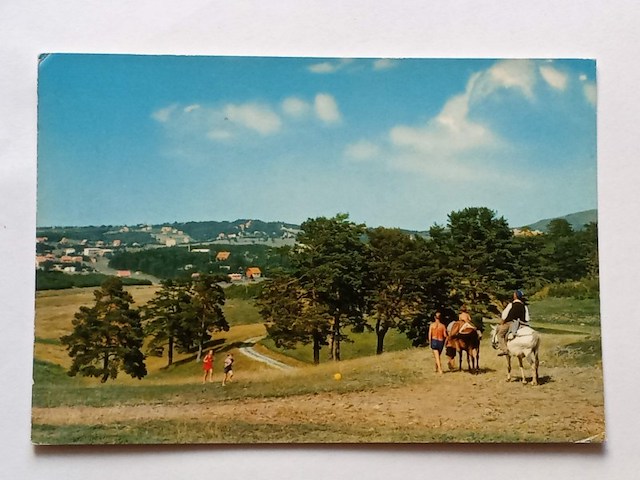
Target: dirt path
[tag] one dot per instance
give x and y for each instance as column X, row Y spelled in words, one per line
column 565, row 407
column 250, row 352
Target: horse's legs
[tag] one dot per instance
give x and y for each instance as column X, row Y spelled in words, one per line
column 459, row 360
column 524, row 380
column 451, row 362
column 534, row 368
column 508, row 368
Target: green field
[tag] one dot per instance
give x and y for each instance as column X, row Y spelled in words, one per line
column 393, row 397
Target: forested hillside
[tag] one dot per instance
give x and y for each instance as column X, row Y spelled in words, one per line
column 577, row 220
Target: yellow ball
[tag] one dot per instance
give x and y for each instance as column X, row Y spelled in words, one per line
column 337, row 376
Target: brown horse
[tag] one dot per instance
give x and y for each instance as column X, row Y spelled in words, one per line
column 464, row 338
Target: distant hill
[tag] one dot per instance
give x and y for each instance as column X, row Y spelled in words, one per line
column 207, row 231
column 210, row 230
column 577, row 220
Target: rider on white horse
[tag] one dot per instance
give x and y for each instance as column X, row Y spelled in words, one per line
column 515, row 311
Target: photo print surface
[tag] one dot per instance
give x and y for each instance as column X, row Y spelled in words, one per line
column 235, row 250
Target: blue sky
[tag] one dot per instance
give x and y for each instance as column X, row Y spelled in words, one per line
column 400, row 143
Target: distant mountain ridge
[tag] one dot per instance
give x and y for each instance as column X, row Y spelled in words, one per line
column 210, row 230
column 577, row 220
column 205, row 231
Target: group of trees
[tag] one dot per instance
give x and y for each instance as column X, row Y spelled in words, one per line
column 340, row 278
column 110, row 335
column 344, row 276
column 170, row 262
column 47, row 280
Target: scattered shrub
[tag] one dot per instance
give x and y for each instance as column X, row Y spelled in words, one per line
column 60, row 280
column 581, row 289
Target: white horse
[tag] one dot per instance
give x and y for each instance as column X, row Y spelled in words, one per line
column 525, row 344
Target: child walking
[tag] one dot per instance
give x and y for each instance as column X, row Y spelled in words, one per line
column 228, row 369
column 437, row 336
column 207, row 366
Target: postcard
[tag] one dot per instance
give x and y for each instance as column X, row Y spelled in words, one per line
column 251, row 250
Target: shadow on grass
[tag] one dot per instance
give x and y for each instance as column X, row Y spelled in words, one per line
column 558, row 331
column 543, row 380
column 480, row 371
column 207, row 345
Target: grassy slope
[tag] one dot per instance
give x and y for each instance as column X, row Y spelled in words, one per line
column 569, row 340
column 561, row 320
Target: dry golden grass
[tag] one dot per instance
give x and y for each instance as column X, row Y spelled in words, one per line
column 393, row 397
column 54, row 315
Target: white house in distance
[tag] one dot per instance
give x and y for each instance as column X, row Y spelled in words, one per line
column 96, row 252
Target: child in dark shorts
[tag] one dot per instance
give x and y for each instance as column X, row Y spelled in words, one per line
column 437, row 345
column 228, row 369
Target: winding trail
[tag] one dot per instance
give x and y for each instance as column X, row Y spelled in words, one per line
column 250, row 352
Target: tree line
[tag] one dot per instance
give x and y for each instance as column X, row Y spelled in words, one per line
column 170, row 262
column 109, row 336
column 346, row 278
column 341, row 278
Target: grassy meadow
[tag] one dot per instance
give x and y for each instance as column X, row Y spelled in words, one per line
column 394, row 397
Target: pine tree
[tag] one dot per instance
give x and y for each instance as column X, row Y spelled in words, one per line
column 332, row 263
column 107, row 337
column 393, row 299
column 293, row 315
column 165, row 319
column 203, row 315
column 482, row 257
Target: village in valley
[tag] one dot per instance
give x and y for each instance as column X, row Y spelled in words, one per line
column 73, row 255
column 76, row 255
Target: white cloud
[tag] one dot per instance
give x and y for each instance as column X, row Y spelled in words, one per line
column 589, row 90
column 191, row 108
column 253, row 116
column 519, row 75
column 192, row 123
column 324, row 67
column 362, row 150
column 295, row 107
column 446, row 136
column 164, row 114
column 384, row 64
column 326, row 108
column 329, row 66
column 553, row 77
column 460, row 140
column 450, row 143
